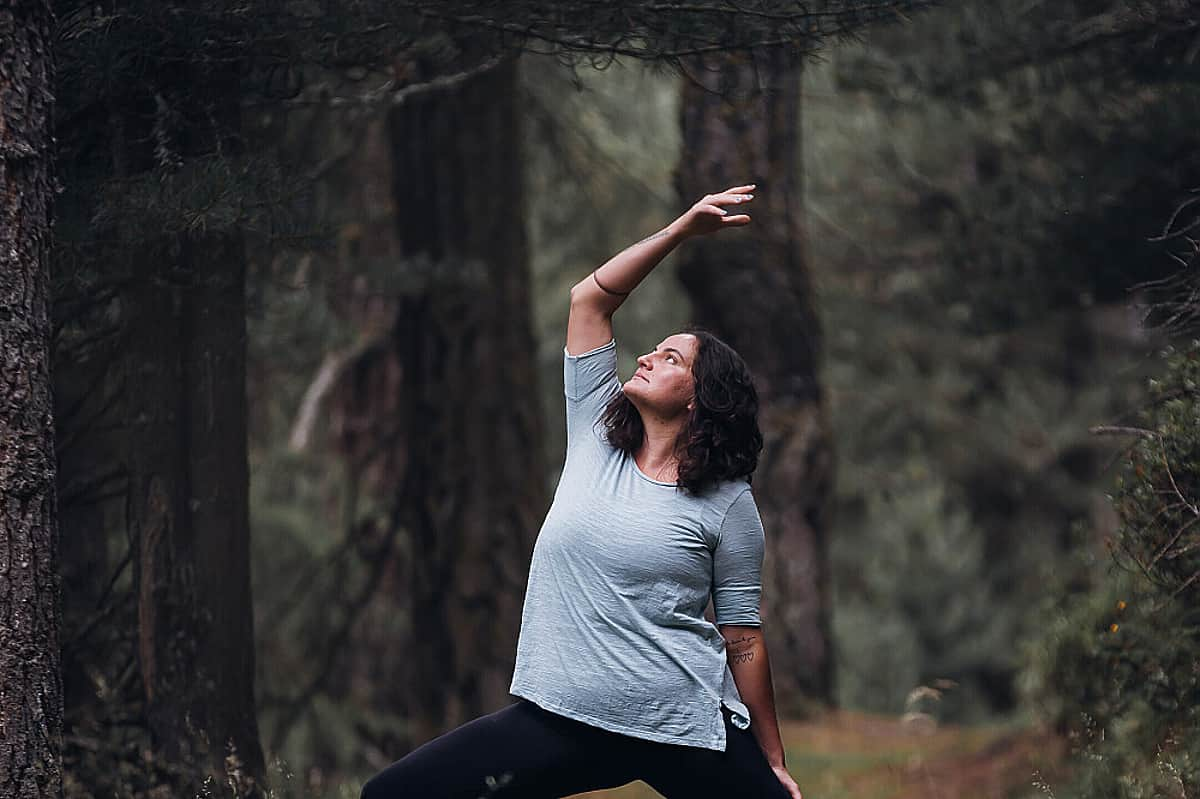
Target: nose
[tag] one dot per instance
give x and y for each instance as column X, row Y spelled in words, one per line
column 644, row 362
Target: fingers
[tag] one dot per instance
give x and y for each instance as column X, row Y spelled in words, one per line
column 717, row 210
column 726, row 218
column 728, row 196
column 732, row 191
column 733, row 199
column 711, row 206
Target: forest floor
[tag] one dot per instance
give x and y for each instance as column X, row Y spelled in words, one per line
column 847, row 754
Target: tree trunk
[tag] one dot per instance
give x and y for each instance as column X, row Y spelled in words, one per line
column 189, row 505
column 165, row 431
column 31, row 707
column 472, row 495
column 752, row 288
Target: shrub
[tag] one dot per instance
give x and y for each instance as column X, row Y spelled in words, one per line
column 1117, row 668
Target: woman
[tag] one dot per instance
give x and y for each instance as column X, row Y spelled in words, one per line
column 619, row 676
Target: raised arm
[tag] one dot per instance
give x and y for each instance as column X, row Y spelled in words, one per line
column 595, row 298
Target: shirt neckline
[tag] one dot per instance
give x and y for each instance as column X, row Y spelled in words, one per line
column 645, row 476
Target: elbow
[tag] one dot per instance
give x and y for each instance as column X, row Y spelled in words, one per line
column 584, row 291
column 576, row 292
column 588, row 298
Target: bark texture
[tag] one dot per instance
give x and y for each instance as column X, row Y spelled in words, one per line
column 740, row 124
column 31, row 706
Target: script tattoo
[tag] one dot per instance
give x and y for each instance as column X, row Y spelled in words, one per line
column 651, row 237
column 741, row 650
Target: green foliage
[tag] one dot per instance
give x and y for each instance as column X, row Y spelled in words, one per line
column 920, row 579
column 976, row 330
column 961, row 460
column 1043, row 168
column 1157, row 498
column 203, row 195
column 1117, row 664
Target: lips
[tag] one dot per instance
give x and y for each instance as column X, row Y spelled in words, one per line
column 642, row 376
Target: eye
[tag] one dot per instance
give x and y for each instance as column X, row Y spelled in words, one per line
column 671, row 358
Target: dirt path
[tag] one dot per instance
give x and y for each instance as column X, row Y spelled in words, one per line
column 846, row 755
column 917, row 762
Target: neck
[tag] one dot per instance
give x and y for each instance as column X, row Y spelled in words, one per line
column 657, row 453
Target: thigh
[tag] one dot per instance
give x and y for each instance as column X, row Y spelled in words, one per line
column 689, row 772
column 518, row 752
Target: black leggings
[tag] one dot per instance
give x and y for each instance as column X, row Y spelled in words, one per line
column 547, row 756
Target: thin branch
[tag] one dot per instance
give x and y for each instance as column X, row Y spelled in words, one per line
column 1185, row 584
column 388, row 95
column 332, row 368
column 1171, row 543
column 1167, row 234
column 818, row 26
column 1166, row 464
column 1118, row 430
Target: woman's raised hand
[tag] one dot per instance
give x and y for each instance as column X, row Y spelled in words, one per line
column 716, row 211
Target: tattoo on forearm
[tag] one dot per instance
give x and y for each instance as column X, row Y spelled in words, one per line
column 741, row 650
column 652, row 236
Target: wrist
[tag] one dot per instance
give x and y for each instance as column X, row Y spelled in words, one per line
column 676, row 232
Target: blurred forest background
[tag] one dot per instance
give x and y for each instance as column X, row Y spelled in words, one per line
column 307, row 317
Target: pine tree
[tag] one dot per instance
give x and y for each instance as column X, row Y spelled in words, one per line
column 31, row 704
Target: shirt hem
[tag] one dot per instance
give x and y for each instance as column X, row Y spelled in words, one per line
column 605, row 724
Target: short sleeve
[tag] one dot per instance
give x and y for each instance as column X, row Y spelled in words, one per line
column 737, row 564
column 589, row 382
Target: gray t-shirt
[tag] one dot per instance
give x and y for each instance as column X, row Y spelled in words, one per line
column 613, row 632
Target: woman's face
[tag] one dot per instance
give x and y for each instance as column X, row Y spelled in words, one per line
column 662, row 384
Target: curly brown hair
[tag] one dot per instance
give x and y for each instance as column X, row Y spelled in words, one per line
column 721, row 440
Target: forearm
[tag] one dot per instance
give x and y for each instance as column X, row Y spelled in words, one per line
column 625, row 270
column 746, row 650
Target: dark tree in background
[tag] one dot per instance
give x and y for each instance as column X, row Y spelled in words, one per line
column 31, row 699
column 434, row 408
column 189, row 524
column 459, row 199
column 185, row 351
column 740, row 118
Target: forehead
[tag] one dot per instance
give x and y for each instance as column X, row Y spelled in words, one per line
column 684, row 342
